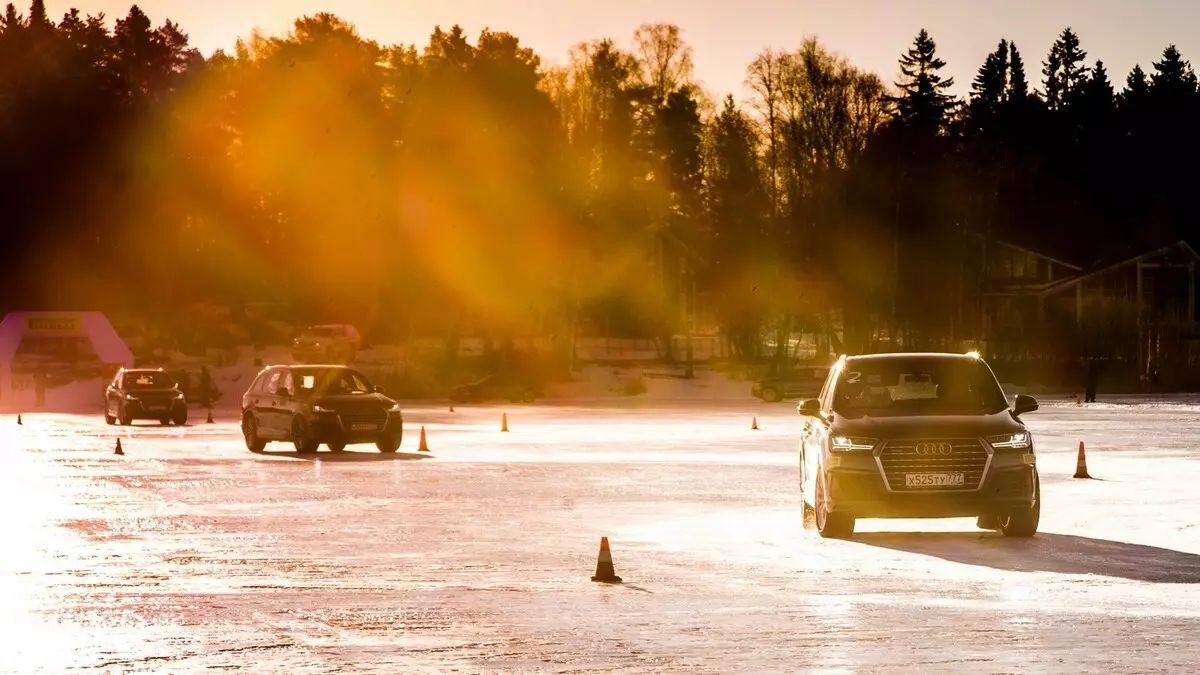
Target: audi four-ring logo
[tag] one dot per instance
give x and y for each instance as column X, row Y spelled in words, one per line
column 933, row 448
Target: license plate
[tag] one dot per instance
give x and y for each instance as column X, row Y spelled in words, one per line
column 364, row 427
column 921, row 480
column 156, row 407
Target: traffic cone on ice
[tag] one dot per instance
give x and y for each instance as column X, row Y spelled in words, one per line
column 754, row 424
column 423, row 447
column 451, row 407
column 19, row 422
column 503, row 421
column 210, row 419
column 1081, row 463
column 118, row 450
column 1078, row 403
column 605, row 574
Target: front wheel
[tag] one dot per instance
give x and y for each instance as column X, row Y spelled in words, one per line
column 180, row 418
column 830, row 525
column 1024, row 523
column 771, row 395
column 389, row 444
column 302, row 437
column 123, row 417
column 250, row 432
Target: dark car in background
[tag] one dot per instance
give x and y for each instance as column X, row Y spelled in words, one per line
column 917, row 436
column 144, row 394
column 801, row 382
column 504, row 386
column 308, row 405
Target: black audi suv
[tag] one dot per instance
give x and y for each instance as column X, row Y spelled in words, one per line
column 144, row 394
column 308, row 405
column 917, row 436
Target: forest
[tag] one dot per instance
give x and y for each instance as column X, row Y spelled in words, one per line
column 467, row 186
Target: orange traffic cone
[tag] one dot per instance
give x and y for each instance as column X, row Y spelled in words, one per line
column 754, row 424
column 605, row 573
column 424, row 447
column 19, row 419
column 118, row 450
column 1081, row 463
column 210, row 419
column 503, row 421
column 451, row 407
column 1078, row 403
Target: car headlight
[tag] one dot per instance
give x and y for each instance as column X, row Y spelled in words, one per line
column 179, row 396
column 848, row 444
column 395, row 408
column 321, row 409
column 130, row 397
column 1018, row 441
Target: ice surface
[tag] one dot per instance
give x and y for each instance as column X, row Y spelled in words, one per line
column 190, row 554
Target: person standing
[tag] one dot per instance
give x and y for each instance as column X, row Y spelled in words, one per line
column 205, row 387
column 1090, row 383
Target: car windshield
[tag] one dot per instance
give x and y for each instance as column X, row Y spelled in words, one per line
column 329, row 382
column 148, row 380
column 917, row 386
column 319, row 331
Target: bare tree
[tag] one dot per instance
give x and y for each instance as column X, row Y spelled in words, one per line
column 665, row 59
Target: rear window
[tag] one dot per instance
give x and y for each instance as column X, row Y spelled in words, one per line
column 917, row 386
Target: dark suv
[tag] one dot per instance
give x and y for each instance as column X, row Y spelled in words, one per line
column 310, row 405
column 144, row 394
column 917, row 436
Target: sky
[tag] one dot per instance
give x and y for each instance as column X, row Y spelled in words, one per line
column 726, row 36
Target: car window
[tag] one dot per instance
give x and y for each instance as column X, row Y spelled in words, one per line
column 285, row 381
column 272, row 382
column 329, row 382
column 148, row 380
column 917, row 386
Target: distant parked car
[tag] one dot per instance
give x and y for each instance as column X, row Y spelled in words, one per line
column 144, row 394
column 310, row 405
column 497, row 386
column 331, row 343
column 803, row 382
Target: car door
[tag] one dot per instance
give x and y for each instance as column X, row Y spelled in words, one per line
column 112, row 396
column 813, row 440
column 263, row 403
column 285, row 406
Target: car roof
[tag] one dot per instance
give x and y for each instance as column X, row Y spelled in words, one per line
column 325, row 366
column 142, row 370
column 902, row 356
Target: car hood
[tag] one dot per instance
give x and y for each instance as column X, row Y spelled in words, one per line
column 143, row 392
column 928, row 426
column 354, row 402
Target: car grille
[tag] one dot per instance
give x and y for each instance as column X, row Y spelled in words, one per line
column 967, row 455
column 156, row 399
column 355, row 421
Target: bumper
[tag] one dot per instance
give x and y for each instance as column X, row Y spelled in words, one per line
column 862, row 493
column 331, row 427
column 140, row 410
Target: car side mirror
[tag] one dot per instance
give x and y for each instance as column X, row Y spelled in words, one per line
column 809, row 408
column 379, row 389
column 283, row 392
column 1024, row 404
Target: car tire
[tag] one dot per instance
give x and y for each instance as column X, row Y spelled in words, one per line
column 336, row 446
column 808, row 515
column 302, row 437
column 123, row 417
column 389, row 444
column 771, row 395
column 109, row 419
column 250, row 433
column 1024, row 523
column 830, row 525
column 164, row 421
column 180, row 418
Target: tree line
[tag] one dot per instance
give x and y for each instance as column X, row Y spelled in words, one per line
column 467, row 186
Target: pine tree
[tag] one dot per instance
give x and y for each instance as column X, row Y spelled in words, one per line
column 990, row 88
column 1018, row 85
column 924, row 104
column 1173, row 78
column 1064, row 70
